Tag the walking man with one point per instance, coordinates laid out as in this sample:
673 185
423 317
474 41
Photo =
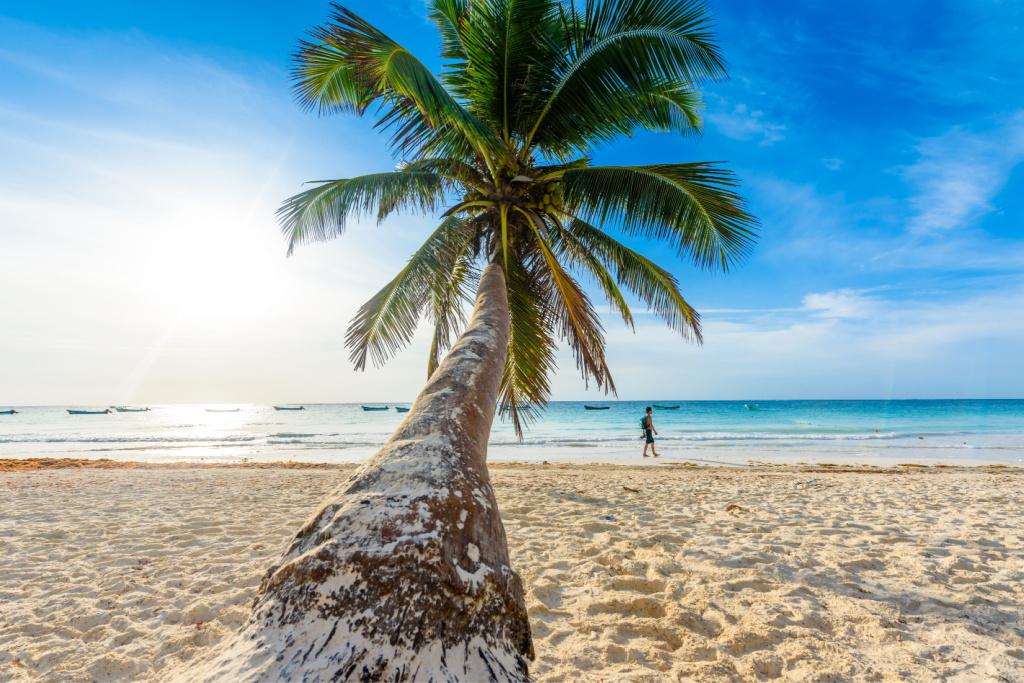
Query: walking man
649 432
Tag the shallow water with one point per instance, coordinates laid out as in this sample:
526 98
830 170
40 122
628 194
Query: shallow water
951 431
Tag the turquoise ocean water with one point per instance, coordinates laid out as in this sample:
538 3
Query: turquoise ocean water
968 431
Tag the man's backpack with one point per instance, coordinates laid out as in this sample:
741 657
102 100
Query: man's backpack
643 423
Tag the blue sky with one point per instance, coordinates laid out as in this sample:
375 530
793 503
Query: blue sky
144 148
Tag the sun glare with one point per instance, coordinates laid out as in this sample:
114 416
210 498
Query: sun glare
221 279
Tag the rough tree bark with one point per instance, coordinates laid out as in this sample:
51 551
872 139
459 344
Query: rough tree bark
402 574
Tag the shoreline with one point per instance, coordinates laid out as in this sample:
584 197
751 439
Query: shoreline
949 432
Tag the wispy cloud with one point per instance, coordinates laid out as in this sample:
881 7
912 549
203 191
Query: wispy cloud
842 303
960 172
839 344
874 233
742 124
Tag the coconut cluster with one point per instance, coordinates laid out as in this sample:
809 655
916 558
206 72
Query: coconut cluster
545 198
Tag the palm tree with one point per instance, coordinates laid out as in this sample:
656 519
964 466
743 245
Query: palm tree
403 572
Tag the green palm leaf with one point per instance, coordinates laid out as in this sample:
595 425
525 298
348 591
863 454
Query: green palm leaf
659 106
525 385
502 43
386 323
414 136
674 111
577 320
554 171
369 66
321 213
325 82
448 16
580 254
690 206
651 283
451 289
622 54
453 169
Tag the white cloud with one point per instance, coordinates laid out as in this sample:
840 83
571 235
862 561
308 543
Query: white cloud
960 173
866 234
843 303
833 164
840 345
741 124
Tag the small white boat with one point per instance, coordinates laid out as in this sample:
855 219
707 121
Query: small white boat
287 408
131 410
222 410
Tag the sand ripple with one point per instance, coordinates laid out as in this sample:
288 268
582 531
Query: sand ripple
120 575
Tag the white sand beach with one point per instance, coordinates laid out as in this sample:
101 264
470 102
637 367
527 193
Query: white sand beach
632 573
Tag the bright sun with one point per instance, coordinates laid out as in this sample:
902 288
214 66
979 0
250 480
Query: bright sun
219 277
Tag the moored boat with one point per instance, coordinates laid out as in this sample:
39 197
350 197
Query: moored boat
131 410
222 410
659 407
596 407
402 410
12 411
88 412
375 408
288 408
751 406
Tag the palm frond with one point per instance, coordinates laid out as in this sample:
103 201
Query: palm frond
325 82
577 320
621 54
651 283
578 253
448 16
656 106
380 69
502 43
451 288
453 169
554 171
412 136
321 213
674 111
690 206
386 323
525 384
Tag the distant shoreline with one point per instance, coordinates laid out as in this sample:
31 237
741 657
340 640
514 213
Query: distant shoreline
883 433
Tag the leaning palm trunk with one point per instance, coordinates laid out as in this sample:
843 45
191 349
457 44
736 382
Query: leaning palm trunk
403 573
